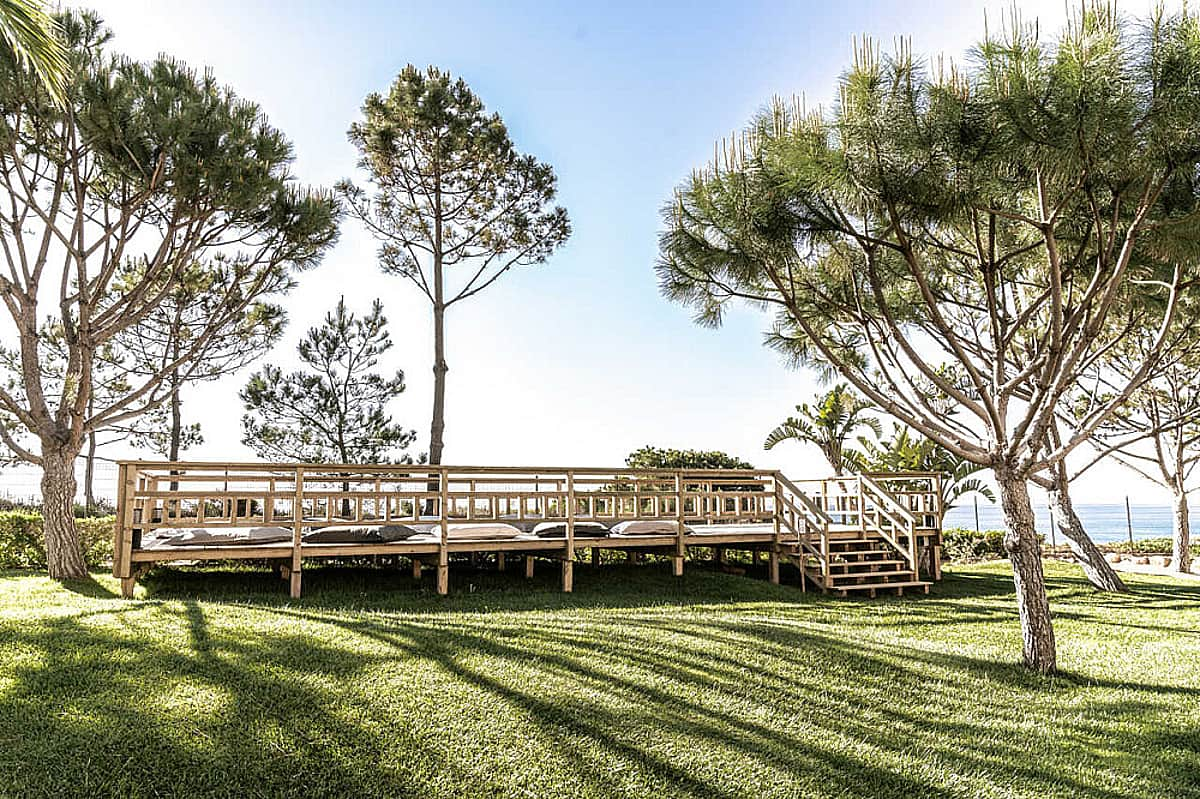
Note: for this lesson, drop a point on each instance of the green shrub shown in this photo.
(22, 545)
(963, 545)
(1148, 546)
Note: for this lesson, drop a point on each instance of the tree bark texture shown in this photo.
(1181, 552)
(64, 555)
(1024, 551)
(1099, 571)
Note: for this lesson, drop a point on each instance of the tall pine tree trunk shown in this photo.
(1024, 551)
(64, 555)
(89, 476)
(1181, 552)
(176, 421)
(89, 471)
(438, 426)
(1099, 571)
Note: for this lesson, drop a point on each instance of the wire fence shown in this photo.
(22, 483)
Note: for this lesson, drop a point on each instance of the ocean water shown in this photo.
(1104, 523)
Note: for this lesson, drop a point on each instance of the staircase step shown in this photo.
(871, 577)
(864, 552)
(849, 563)
(872, 588)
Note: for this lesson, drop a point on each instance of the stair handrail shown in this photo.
(813, 519)
(888, 506)
(880, 493)
(812, 507)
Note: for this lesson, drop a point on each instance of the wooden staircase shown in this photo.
(857, 539)
(869, 564)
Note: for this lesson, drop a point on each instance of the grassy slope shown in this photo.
(637, 685)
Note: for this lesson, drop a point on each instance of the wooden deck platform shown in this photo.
(859, 534)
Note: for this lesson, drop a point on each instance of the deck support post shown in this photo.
(719, 555)
(416, 568)
(568, 575)
(529, 567)
(297, 534)
(443, 578)
(681, 536)
(123, 525)
(443, 567)
(500, 561)
(568, 564)
(127, 584)
(754, 557)
(776, 533)
(595, 556)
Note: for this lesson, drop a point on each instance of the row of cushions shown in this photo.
(388, 533)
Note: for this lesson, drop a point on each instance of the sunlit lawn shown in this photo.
(638, 684)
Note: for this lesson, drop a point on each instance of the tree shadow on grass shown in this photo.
(610, 585)
(89, 587)
(165, 706)
(892, 707)
(746, 696)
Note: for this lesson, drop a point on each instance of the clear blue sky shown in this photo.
(581, 360)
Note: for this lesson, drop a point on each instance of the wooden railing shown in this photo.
(919, 492)
(886, 517)
(296, 496)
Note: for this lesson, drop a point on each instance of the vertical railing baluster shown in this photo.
(680, 538)
(568, 566)
(294, 576)
(443, 567)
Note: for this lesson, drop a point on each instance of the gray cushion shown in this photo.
(224, 536)
(359, 534)
(559, 530)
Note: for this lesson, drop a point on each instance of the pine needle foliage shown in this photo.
(987, 231)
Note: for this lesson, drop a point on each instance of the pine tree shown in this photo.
(336, 410)
(452, 203)
(984, 230)
(145, 170)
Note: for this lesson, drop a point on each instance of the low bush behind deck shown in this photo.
(23, 545)
(639, 683)
(963, 545)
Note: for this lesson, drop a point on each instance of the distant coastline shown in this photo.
(1104, 523)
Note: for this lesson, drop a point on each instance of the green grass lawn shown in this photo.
(638, 684)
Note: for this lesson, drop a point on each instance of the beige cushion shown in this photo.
(480, 531)
(647, 527)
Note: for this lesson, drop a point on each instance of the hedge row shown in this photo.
(963, 545)
(1147, 546)
(23, 546)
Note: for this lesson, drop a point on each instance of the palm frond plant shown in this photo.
(829, 423)
(909, 451)
(29, 31)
